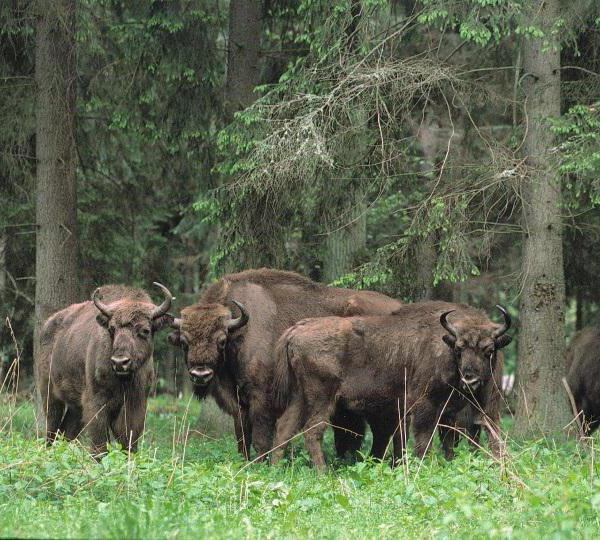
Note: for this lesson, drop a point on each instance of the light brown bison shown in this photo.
(94, 366)
(583, 376)
(413, 363)
(229, 338)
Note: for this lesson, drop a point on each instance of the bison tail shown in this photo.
(283, 377)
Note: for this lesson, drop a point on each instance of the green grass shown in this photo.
(191, 485)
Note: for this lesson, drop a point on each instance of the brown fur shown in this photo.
(275, 300)
(467, 423)
(363, 363)
(583, 364)
(77, 388)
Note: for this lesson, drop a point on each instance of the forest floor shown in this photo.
(191, 484)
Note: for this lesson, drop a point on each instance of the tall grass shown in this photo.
(187, 481)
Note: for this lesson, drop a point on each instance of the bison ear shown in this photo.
(502, 341)
(160, 322)
(174, 338)
(102, 320)
(449, 340)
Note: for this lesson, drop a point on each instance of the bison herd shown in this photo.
(284, 355)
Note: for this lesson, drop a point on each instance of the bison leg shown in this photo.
(382, 427)
(72, 423)
(263, 425)
(349, 432)
(95, 419)
(52, 411)
(424, 422)
(288, 425)
(400, 438)
(319, 417)
(128, 426)
(243, 432)
(449, 438)
(492, 426)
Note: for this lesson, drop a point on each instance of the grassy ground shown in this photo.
(185, 484)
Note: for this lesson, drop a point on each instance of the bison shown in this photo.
(583, 376)
(413, 363)
(94, 366)
(229, 336)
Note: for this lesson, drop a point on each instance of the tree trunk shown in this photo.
(3, 238)
(579, 323)
(542, 406)
(347, 238)
(346, 220)
(56, 191)
(243, 54)
(427, 133)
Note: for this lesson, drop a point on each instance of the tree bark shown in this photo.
(347, 239)
(542, 406)
(56, 189)
(243, 54)
(3, 238)
(346, 219)
(427, 133)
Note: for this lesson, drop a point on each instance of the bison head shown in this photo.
(131, 324)
(474, 343)
(203, 331)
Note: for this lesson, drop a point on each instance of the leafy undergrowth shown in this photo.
(185, 484)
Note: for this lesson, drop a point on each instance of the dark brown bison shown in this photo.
(94, 366)
(229, 338)
(583, 376)
(402, 365)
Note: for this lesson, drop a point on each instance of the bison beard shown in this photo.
(94, 366)
(242, 360)
(583, 376)
(369, 365)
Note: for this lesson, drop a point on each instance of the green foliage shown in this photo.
(148, 109)
(481, 22)
(579, 153)
(189, 487)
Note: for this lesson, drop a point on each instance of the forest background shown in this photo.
(426, 149)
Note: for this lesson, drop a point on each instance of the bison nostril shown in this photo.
(201, 375)
(120, 363)
(471, 381)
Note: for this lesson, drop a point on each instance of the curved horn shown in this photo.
(505, 326)
(164, 307)
(447, 325)
(102, 307)
(234, 324)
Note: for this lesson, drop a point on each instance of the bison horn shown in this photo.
(102, 307)
(234, 324)
(505, 326)
(447, 325)
(164, 307)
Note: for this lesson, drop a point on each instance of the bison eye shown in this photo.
(458, 352)
(221, 340)
(144, 333)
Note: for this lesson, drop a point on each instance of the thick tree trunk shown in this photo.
(346, 220)
(542, 406)
(243, 55)
(56, 190)
(347, 238)
(427, 133)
